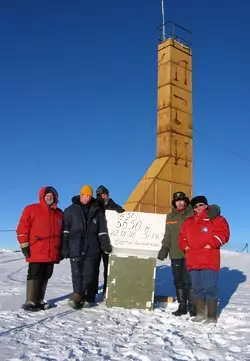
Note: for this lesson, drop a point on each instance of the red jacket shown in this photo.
(197, 232)
(40, 227)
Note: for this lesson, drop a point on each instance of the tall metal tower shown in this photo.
(171, 170)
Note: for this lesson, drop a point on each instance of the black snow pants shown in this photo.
(93, 288)
(182, 279)
(40, 271)
(83, 272)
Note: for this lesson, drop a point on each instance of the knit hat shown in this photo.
(198, 199)
(86, 190)
(102, 190)
(179, 196)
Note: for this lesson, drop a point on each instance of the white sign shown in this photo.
(136, 230)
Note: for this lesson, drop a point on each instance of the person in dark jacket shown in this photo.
(85, 234)
(182, 281)
(39, 234)
(106, 203)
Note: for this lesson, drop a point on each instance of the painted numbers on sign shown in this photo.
(136, 230)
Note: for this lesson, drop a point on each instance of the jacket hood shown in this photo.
(45, 190)
(76, 200)
(215, 209)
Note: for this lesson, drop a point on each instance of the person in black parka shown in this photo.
(85, 235)
(106, 203)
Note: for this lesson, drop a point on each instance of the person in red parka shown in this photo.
(201, 238)
(39, 234)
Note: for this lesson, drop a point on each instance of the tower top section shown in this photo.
(171, 30)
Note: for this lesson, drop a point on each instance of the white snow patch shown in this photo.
(101, 333)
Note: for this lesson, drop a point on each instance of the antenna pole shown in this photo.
(163, 20)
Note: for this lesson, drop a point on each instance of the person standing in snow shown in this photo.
(106, 203)
(181, 210)
(201, 238)
(85, 234)
(39, 234)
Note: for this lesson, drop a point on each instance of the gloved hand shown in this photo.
(163, 253)
(26, 251)
(65, 245)
(106, 247)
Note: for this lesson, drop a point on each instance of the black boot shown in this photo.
(32, 289)
(182, 299)
(191, 304)
(42, 290)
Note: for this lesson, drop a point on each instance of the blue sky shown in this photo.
(78, 100)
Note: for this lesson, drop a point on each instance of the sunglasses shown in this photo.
(198, 205)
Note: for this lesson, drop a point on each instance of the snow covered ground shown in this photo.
(101, 333)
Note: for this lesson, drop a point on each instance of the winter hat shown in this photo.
(180, 196)
(198, 199)
(86, 190)
(102, 190)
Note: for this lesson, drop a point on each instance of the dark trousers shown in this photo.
(205, 284)
(93, 288)
(40, 271)
(83, 272)
(105, 259)
(181, 276)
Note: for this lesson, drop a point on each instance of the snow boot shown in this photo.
(89, 304)
(211, 311)
(76, 305)
(191, 305)
(182, 299)
(32, 289)
(42, 290)
(30, 306)
(200, 310)
(76, 301)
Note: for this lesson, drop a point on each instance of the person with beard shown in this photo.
(85, 235)
(180, 212)
(39, 234)
(107, 203)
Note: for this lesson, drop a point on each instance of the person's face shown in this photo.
(49, 199)
(85, 199)
(200, 207)
(180, 204)
(104, 196)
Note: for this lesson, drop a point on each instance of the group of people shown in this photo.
(48, 235)
(194, 233)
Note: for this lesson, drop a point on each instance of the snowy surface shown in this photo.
(101, 333)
